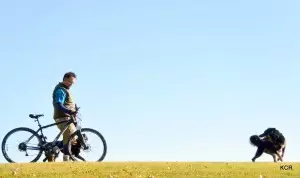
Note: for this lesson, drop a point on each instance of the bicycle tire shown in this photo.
(88, 130)
(16, 130)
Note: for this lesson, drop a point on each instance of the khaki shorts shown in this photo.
(71, 128)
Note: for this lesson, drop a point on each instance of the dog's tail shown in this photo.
(255, 140)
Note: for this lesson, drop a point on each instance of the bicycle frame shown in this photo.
(68, 122)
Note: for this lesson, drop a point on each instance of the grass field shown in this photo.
(149, 170)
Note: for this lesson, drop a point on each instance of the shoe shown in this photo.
(66, 158)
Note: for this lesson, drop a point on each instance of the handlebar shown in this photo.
(75, 117)
(76, 107)
(76, 111)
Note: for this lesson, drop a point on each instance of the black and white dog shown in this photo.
(264, 146)
(276, 137)
(75, 149)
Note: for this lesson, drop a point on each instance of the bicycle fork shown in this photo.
(82, 140)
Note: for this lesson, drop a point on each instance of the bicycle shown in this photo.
(55, 146)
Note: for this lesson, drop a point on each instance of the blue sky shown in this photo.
(161, 80)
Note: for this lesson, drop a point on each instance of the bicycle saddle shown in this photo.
(35, 116)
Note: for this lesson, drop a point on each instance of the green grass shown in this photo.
(149, 170)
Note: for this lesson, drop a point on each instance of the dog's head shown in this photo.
(255, 140)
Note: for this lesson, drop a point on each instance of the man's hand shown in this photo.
(74, 112)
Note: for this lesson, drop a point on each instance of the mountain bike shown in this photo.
(81, 136)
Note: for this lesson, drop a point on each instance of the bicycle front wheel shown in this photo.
(21, 143)
(96, 145)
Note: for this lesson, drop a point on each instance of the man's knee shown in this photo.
(68, 132)
(61, 119)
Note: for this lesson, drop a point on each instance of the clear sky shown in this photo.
(161, 80)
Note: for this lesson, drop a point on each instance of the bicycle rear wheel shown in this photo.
(93, 139)
(23, 137)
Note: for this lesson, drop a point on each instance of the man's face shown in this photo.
(69, 81)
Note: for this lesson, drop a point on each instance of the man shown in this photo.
(64, 106)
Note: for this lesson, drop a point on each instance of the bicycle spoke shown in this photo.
(29, 139)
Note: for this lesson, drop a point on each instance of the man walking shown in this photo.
(64, 106)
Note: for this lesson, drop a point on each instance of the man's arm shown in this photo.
(60, 97)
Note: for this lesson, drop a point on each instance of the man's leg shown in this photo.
(71, 129)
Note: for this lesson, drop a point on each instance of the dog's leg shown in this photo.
(45, 159)
(56, 156)
(279, 156)
(283, 150)
(274, 157)
(72, 159)
(78, 156)
(280, 153)
(258, 153)
(51, 158)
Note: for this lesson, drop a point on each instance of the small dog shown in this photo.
(51, 156)
(264, 146)
(75, 149)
